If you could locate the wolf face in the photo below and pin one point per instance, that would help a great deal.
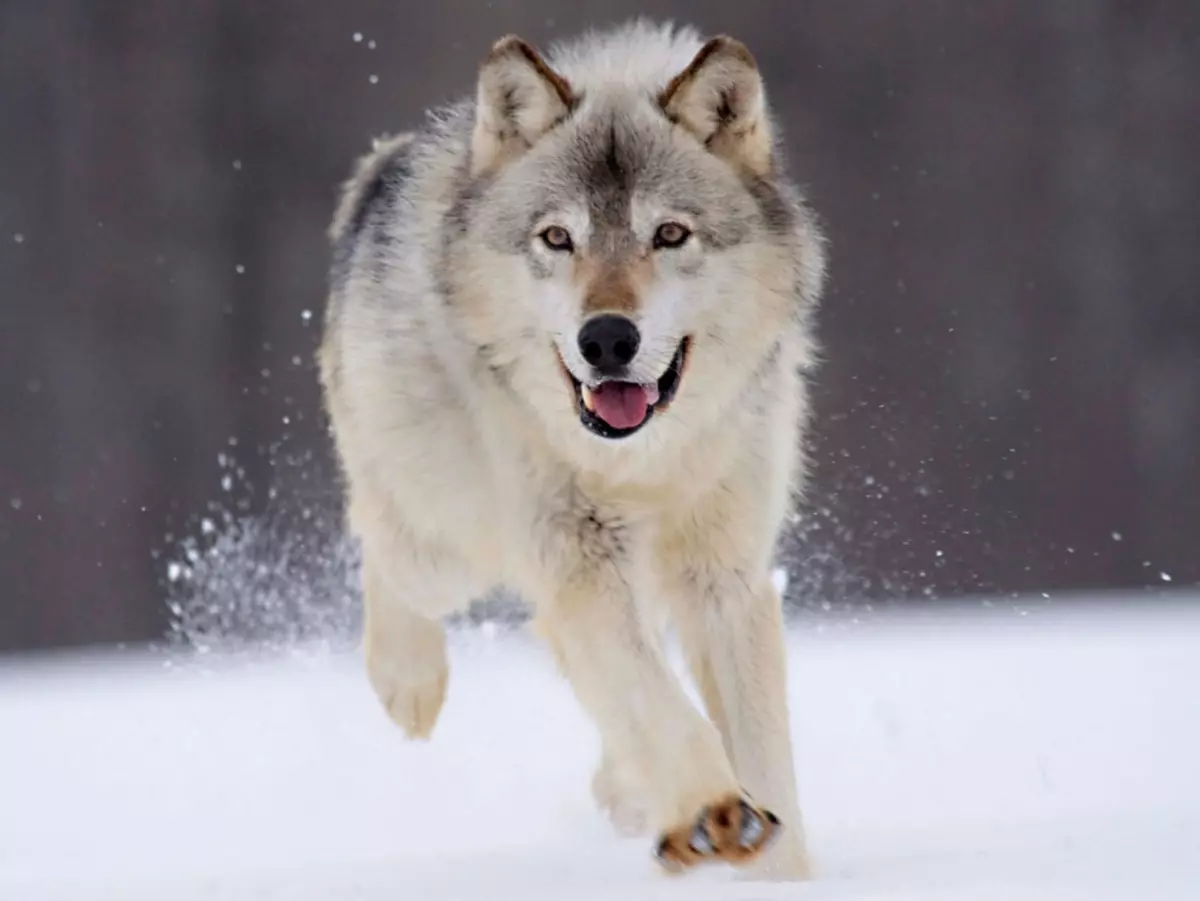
(650, 258)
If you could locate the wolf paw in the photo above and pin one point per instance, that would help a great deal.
(415, 708)
(616, 797)
(412, 703)
(732, 830)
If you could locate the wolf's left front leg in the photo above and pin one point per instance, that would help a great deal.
(730, 622)
(620, 676)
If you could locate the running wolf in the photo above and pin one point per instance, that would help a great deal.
(565, 351)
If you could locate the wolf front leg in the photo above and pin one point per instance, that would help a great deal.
(731, 630)
(621, 678)
(408, 586)
(405, 655)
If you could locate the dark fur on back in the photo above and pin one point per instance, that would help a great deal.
(369, 200)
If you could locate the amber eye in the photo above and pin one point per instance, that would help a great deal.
(557, 238)
(670, 234)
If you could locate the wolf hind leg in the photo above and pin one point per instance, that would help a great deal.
(620, 792)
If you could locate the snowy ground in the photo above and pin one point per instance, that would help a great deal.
(957, 757)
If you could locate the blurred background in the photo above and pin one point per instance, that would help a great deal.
(1011, 400)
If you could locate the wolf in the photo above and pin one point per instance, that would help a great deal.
(566, 350)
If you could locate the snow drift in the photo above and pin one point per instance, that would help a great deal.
(968, 754)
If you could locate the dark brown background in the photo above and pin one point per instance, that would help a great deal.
(1012, 330)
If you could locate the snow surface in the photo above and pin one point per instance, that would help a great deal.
(952, 756)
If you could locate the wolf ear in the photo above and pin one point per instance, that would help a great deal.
(719, 99)
(519, 98)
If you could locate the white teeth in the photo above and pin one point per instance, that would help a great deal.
(589, 400)
(651, 394)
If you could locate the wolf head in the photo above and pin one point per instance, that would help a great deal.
(631, 255)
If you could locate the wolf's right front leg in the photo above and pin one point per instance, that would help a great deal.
(405, 654)
(621, 678)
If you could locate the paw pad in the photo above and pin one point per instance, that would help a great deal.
(732, 830)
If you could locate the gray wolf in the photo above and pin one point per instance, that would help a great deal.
(566, 349)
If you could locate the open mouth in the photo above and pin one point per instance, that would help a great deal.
(616, 409)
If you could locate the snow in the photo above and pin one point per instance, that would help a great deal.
(958, 756)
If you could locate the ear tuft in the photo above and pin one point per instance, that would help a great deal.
(518, 99)
(720, 99)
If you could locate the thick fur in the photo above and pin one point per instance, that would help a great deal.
(448, 337)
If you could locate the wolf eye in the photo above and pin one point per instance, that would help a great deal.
(670, 234)
(557, 238)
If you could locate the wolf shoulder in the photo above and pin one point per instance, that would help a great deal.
(371, 191)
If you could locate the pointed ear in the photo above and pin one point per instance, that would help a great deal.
(719, 98)
(519, 98)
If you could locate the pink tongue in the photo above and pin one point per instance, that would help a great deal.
(621, 404)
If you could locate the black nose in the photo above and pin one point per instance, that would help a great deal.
(609, 342)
